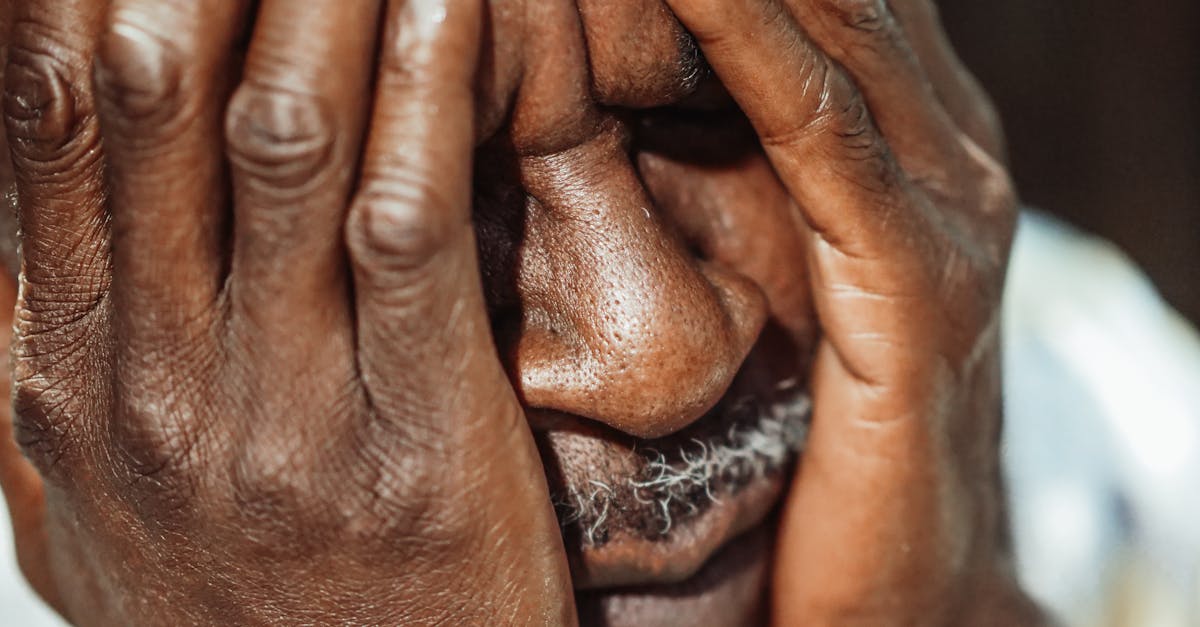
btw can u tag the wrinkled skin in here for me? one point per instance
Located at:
(271, 392)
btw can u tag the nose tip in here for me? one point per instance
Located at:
(644, 364)
(620, 324)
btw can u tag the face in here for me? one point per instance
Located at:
(645, 274)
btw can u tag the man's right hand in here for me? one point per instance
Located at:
(291, 410)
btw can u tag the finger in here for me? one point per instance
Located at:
(956, 87)
(815, 128)
(19, 480)
(870, 258)
(440, 397)
(882, 517)
(162, 79)
(294, 130)
(57, 161)
(878, 491)
(867, 40)
(421, 317)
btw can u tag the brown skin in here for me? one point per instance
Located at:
(314, 423)
(907, 265)
(260, 476)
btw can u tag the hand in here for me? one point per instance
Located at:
(289, 427)
(896, 516)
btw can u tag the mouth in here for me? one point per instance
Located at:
(730, 590)
(654, 512)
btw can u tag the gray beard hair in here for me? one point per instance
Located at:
(682, 485)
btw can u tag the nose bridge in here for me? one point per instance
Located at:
(621, 325)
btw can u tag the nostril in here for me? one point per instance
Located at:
(743, 302)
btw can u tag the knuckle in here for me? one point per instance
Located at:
(851, 124)
(45, 113)
(992, 188)
(155, 456)
(401, 224)
(844, 117)
(282, 139)
(836, 108)
(840, 125)
(969, 295)
(861, 15)
(49, 396)
(1002, 206)
(398, 506)
(274, 487)
(409, 488)
(138, 71)
(839, 105)
(1000, 194)
(269, 478)
(43, 420)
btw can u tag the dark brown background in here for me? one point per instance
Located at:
(1101, 100)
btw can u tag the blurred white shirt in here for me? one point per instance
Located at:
(1102, 441)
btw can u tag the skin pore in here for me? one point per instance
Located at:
(325, 328)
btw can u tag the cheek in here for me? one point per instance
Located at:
(739, 215)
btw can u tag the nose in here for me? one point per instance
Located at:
(620, 322)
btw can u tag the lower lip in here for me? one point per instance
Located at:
(730, 590)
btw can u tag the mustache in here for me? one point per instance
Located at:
(674, 485)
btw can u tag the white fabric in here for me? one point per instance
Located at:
(1102, 442)
(1103, 435)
